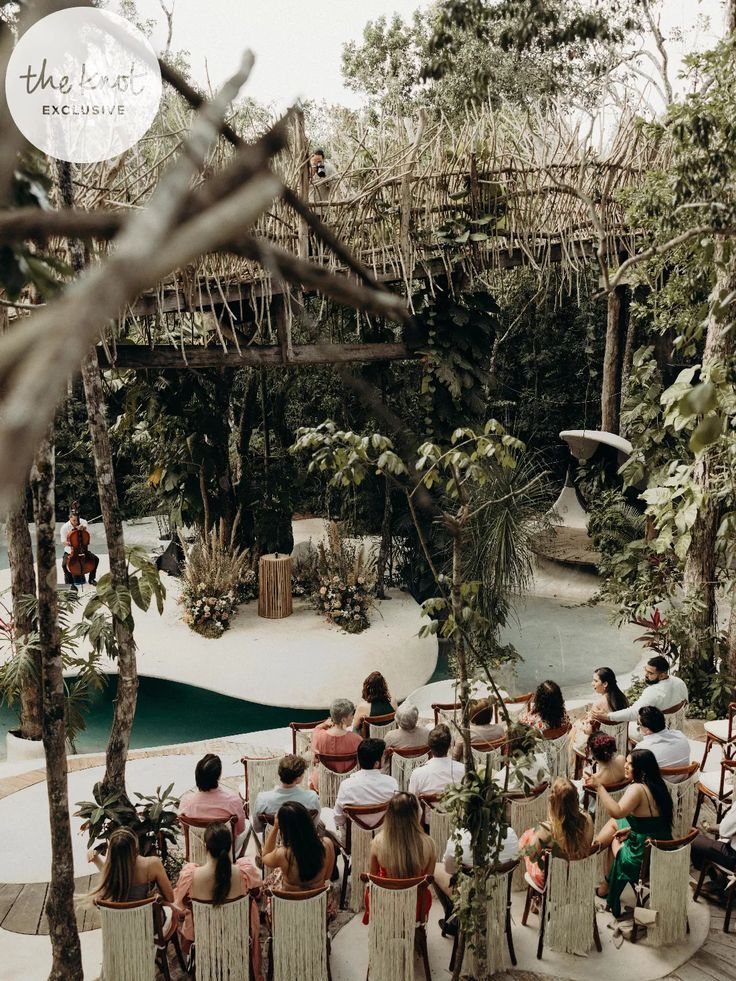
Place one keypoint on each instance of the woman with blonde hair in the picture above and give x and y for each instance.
(402, 849)
(128, 876)
(567, 832)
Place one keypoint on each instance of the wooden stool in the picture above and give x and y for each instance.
(274, 586)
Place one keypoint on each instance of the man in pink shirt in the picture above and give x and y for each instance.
(210, 800)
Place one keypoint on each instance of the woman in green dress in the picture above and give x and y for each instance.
(644, 811)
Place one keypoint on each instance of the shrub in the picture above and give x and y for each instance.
(212, 576)
(346, 582)
(153, 819)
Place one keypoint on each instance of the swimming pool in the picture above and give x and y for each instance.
(168, 712)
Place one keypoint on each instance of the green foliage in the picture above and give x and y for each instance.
(143, 585)
(153, 818)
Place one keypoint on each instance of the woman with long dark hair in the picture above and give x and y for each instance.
(610, 696)
(644, 811)
(377, 700)
(547, 708)
(218, 880)
(303, 860)
(126, 875)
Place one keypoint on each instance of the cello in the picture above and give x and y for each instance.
(80, 561)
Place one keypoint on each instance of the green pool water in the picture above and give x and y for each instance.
(168, 712)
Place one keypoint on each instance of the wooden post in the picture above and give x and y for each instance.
(274, 586)
(615, 321)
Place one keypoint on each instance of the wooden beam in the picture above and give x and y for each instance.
(168, 356)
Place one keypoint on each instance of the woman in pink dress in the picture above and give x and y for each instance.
(216, 881)
(335, 736)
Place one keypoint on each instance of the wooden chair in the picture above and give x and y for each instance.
(376, 726)
(526, 811)
(729, 875)
(620, 732)
(682, 784)
(222, 939)
(567, 920)
(720, 732)
(359, 833)
(717, 786)
(674, 716)
(444, 709)
(300, 943)
(489, 754)
(261, 773)
(498, 919)
(402, 763)
(194, 829)
(329, 779)
(438, 821)
(301, 738)
(136, 937)
(515, 706)
(556, 747)
(394, 932)
(665, 869)
(600, 818)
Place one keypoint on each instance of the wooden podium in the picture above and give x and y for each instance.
(274, 586)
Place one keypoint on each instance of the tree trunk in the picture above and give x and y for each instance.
(385, 546)
(23, 583)
(627, 363)
(611, 357)
(731, 665)
(66, 950)
(699, 579)
(122, 723)
(124, 712)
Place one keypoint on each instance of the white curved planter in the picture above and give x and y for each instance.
(22, 749)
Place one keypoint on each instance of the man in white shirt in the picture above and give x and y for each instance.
(524, 778)
(662, 691)
(721, 850)
(440, 770)
(670, 746)
(369, 785)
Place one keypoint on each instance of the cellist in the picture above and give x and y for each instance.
(73, 523)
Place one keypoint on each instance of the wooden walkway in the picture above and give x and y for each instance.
(23, 905)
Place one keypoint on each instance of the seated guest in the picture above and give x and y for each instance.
(210, 800)
(377, 700)
(409, 735)
(568, 831)
(610, 699)
(547, 709)
(335, 737)
(610, 766)
(721, 850)
(291, 774)
(369, 785)
(128, 876)
(443, 874)
(644, 811)
(215, 881)
(662, 691)
(403, 850)
(440, 770)
(669, 746)
(482, 728)
(301, 859)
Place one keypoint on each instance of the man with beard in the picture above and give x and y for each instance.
(662, 691)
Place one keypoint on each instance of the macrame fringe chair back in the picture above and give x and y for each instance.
(496, 947)
(304, 743)
(570, 906)
(558, 755)
(128, 952)
(299, 938)
(526, 813)
(483, 759)
(360, 860)
(197, 850)
(677, 719)
(403, 766)
(379, 732)
(262, 775)
(223, 940)
(329, 784)
(620, 732)
(683, 804)
(669, 895)
(601, 818)
(440, 827)
(391, 934)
